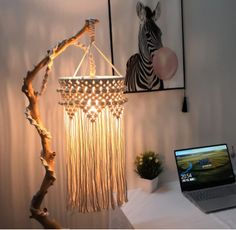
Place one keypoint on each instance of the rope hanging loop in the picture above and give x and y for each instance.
(91, 28)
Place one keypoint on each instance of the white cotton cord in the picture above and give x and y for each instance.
(95, 162)
(91, 29)
(45, 78)
(82, 60)
(106, 59)
(51, 56)
(81, 46)
(92, 65)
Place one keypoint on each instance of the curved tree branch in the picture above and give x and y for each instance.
(33, 115)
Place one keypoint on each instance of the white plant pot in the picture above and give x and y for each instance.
(148, 186)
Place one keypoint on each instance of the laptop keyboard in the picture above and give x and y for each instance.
(212, 193)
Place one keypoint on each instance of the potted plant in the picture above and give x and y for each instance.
(148, 166)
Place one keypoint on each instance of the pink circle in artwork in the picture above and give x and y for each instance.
(165, 63)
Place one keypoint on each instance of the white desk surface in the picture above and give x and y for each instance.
(168, 208)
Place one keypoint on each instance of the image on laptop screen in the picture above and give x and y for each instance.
(204, 167)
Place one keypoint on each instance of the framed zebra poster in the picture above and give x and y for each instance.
(147, 44)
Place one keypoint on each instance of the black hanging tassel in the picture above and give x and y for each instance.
(185, 105)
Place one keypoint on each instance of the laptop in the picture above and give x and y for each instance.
(206, 177)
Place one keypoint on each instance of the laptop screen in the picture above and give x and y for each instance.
(204, 167)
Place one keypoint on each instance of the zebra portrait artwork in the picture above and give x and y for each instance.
(154, 63)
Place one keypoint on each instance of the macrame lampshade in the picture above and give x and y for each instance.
(92, 95)
(93, 111)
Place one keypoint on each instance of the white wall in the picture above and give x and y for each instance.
(153, 120)
(210, 32)
(210, 62)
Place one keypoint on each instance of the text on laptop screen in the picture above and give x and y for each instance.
(204, 166)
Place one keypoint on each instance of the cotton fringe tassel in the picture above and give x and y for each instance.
(95, 162)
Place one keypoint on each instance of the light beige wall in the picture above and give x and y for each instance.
(155, 118)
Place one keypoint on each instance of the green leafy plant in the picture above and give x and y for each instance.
(148, 165)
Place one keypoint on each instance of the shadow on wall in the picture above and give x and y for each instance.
(28, 29)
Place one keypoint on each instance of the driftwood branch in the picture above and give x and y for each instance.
(33, 115)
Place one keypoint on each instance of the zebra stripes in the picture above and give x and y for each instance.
(139, 70)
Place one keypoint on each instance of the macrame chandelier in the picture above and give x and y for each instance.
(93, 113)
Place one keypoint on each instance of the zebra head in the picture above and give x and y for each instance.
(140, 75)
(149, 33)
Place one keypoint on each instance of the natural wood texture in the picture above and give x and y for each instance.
(33, 115)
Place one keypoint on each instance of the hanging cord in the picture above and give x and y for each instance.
(87, 51)
(82, 60)
(106, 59)
(92, 65)
(46, 75)
(185, 103)
(91, 33)
(81, 46)
(91, 29)
(185, 108)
